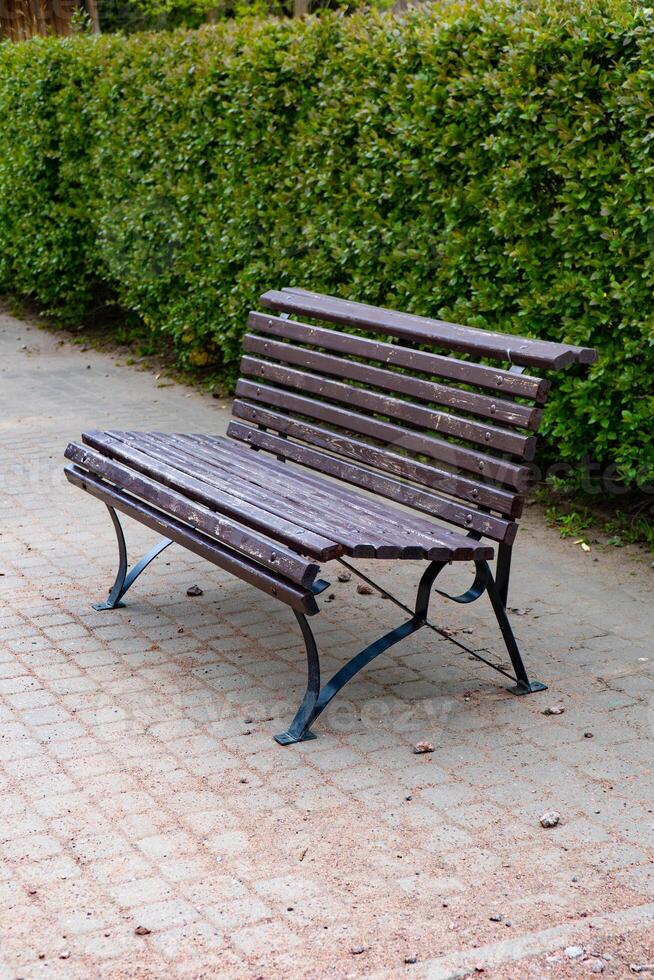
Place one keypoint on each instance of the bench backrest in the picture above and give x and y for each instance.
(450, 437)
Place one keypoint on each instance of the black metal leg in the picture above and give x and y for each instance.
(306, 714)
(523, 685)
(316, 700)
(425, 584)
(483, 582)
(113, 599)
(503, 572)
(125, 579)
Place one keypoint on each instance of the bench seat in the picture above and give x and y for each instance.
(307, 512)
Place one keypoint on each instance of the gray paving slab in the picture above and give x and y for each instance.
(140, 787)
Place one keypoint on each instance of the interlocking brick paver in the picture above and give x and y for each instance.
(139, 785)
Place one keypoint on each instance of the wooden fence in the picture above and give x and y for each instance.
(22, 19)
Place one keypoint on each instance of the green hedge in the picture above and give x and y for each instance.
(487, 163)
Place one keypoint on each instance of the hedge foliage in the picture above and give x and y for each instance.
(489, 163)
(129, 16)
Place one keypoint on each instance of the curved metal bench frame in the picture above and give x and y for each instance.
(317, 698)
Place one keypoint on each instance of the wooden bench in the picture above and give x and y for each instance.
(345, 446)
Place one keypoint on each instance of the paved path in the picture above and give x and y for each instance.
(140, 786)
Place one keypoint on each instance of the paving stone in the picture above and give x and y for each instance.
(130, 795)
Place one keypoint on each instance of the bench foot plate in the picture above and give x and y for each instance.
(100, 606)
(531, 688)
(286, 738)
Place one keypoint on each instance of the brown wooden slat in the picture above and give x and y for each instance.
(499, 410)
(318, 501)
(496, 528)
(350, 539)
(402, 526)
(293, 595)
(236, 536)
(218, 496)
(423, 330)
(505, 383)
(492, 437)
(464, 488)
(362, 540)
(379, 485)
(349, 525)
(511, 474)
